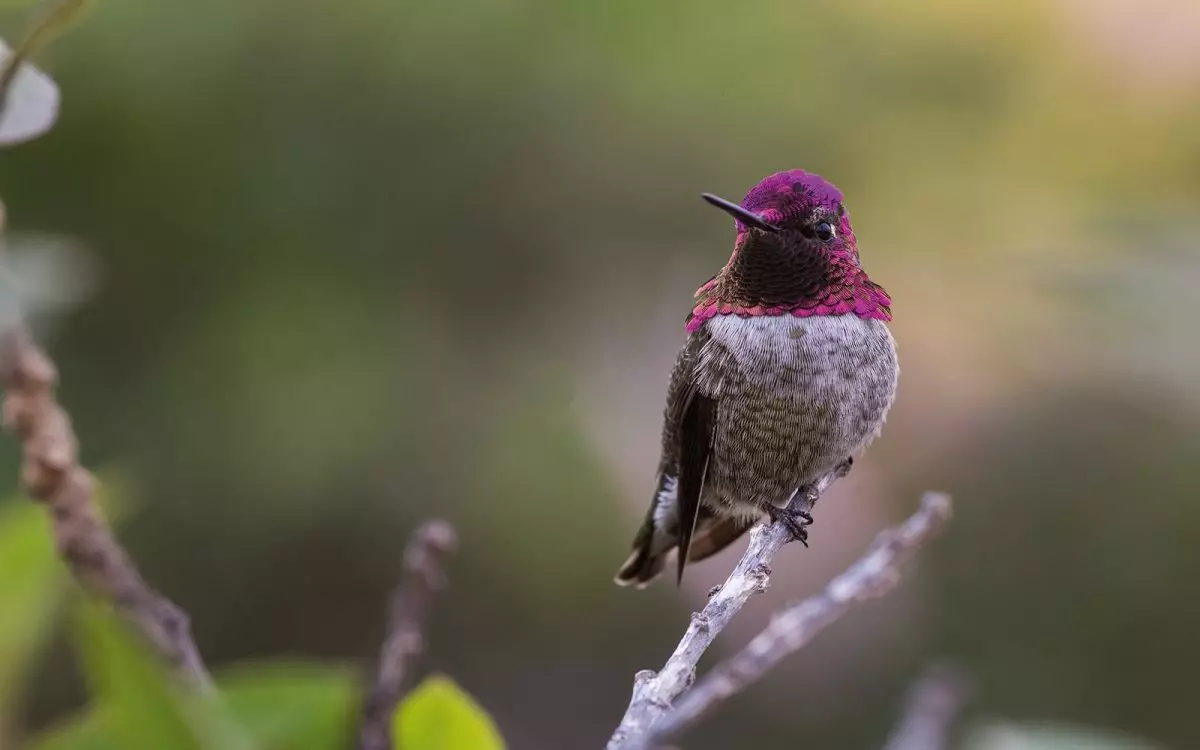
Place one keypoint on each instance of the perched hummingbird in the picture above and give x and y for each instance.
(788, 371)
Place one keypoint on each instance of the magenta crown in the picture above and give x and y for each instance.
(820, 279)
(793, 195)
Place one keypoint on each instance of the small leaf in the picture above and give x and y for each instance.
(439, 715)
(33, 583)
(280, 706)
(139, 703)
(88, 731)
(293, 706)
(30, 104)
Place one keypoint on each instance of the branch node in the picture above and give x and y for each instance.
(644, 676)
(760, 577)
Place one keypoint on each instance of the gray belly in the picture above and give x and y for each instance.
(795, 397)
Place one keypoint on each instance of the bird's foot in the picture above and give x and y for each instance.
(795, 521)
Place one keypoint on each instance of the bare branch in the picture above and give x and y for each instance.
(654, 693)
(51, 473)
(933, 705)
(874, 574)
(411, 604)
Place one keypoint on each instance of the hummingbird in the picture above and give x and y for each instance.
(787, 372)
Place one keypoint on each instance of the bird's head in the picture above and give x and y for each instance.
(795, 253)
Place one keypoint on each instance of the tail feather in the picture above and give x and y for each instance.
(641, 568)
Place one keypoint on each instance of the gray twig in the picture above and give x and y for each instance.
(51, 473)
(933, 705)
(654, 693)
(412, 601)
(872, 575)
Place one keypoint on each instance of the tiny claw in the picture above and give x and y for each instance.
(795, 521)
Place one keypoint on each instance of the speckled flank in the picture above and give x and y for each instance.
(796, 397)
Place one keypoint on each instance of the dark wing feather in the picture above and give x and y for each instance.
(656, 538)
(695, 446)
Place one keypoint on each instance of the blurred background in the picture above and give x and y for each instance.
(316, 271)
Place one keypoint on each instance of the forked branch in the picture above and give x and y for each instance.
(653, 693)
(661, 709)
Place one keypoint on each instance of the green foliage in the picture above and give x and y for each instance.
(293, 706)
(33, 583)
(136, 704)
(274, 706)
(338, 238)
(55, 18)
(439, 715)
(139, 705)
(89, 732)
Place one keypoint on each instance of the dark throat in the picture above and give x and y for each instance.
(773, 270)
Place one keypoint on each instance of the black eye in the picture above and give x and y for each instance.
(824, 231)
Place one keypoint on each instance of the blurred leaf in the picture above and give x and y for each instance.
(281, 706)
(89, 731)
(140, 706)
(48, 274)
(293, 706)
(33, 586)
(29, 98)
(30, 102)
(439, 715)
(34, 582)
(1050, 737)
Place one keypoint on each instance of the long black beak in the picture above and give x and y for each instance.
(748, 218)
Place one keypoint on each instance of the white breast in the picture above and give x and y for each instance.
(770, 351)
